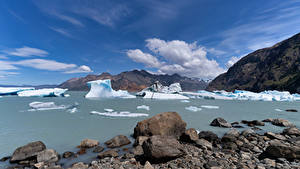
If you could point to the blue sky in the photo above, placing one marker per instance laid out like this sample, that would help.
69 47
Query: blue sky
50 41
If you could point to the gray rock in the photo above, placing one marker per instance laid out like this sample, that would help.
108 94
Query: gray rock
282 123
233 132
68 154
140 140
98 149
275 136
220 122
209 136
79 165
202 143
108 153
48 156
278 150
88 143
190 136
27 151
291 131
117 141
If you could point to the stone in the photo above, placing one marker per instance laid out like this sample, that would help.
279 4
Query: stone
138 150
220 122
230 146
253 123
108 153
5 158
47 156
189 136
68 154
140 140
282 123
148 165
88 143
233 132
291 110
209 136
228 138
247 132
291 131
98 149
279 150
165 124
162 148
79 165
27 151
81 151
202 143
275 136
117 141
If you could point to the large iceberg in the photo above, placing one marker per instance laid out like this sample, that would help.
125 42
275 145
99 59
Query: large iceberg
271 95
51 92
103 89
158 91
13 90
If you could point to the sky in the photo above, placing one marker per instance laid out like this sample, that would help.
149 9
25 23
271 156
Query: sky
51 41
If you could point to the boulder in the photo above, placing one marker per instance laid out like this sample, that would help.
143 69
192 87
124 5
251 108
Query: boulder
148 165
98 149
189 136
247 132
291 110
117 141
209 136
228 138
47 156
79 165
275 136
162 148
140 140
138 150
165 124
220 122
28 151
88 143
253 123
202 143
291 131
108 153
279 150
233 132
68 154
282 123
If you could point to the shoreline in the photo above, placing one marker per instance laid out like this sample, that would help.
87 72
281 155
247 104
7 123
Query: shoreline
163 141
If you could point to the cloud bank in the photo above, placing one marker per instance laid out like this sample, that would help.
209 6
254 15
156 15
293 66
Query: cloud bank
177 56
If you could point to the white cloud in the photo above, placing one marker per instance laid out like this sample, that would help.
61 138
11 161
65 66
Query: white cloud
69 19
177 57
4 74
232 61
44 64
81 69
62 31
3 56
4 65
145 58
26 52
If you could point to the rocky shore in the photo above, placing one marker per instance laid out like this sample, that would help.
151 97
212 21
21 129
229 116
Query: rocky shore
164 142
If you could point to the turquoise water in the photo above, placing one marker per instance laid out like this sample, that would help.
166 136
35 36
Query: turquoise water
63 131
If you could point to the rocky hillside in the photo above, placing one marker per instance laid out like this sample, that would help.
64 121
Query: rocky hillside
274 68
135 81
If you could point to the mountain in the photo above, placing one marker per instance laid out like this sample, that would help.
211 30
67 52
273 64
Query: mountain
135 80
274 68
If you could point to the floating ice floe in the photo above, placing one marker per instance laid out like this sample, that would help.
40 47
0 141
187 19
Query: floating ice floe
244 95
103 89
73 110
40 106
193 108
143 107
278 110
13 90
109 110
50 92
119 114
210 107
185 101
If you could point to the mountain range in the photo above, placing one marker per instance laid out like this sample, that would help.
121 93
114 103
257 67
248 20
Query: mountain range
273 68
134 81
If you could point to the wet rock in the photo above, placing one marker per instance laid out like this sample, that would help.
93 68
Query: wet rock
247 132
279 150
228 138
140 140
269 120
202 143
282 122
253 123
230 146
81 151
220 122
79 165
5 158
275 136
68 154
291 110
189 136
108 153
209 136
88 143
28 151
48 156
165 124
98 149
162 148
291 131
117 141
233 132
148 165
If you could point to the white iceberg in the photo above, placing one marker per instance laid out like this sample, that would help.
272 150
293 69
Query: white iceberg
45 106
278 110
109 110
158 87
119 114
184 101
162 96
50 92
193 108
73 110
143 107
210 107
103 89
13 90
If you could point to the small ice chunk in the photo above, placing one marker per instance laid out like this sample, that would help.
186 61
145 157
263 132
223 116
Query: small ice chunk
210 107
73 110
109 110
278 110
185 101
193 108
51 92
119 114
143 107
45 106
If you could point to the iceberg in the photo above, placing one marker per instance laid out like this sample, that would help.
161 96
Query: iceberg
73 110
13 90
184 101
193 108
158 87
162 96
143 107
50 92
40 106
210 107
119 114
103 89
